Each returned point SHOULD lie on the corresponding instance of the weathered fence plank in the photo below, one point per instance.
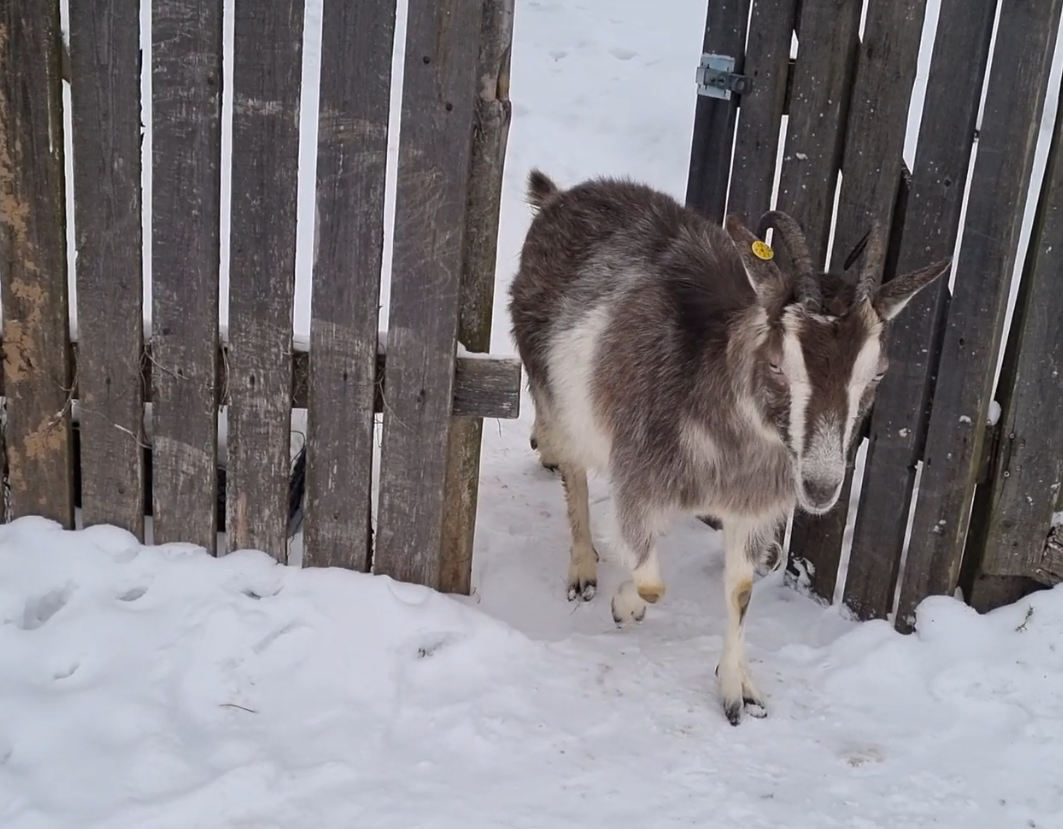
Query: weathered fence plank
(1018, 501)
(105, 96)
(872, 161)
(815, 134)
(352, 153)
(771, 28)
(33, 262)
(186, 188)
(1025, 39)
(267, 71)
(714, 118)
(897, 426)
(491, 117)
(439, 88)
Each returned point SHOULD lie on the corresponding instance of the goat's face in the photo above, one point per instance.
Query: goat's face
(822, 352)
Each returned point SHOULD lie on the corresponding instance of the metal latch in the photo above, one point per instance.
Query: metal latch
(717, 79)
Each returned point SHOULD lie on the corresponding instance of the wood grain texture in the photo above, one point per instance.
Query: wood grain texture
(897, 425)
(352, 152)
(714, 118)
(439, 89)
(872, 162)
(771, 29)
(267, 72)
(483, 387)
(1050, 569)
(186, 196)
(815, 136)
(1019, 499)
(1011, 121)
(486, 166)
(819, 101)
(33, 263)
(105, 94)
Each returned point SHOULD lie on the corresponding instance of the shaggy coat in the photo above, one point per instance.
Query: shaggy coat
(680, 358)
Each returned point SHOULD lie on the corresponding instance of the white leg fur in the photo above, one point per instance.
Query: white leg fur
(736, 685)
(645, 585)
(583, 564)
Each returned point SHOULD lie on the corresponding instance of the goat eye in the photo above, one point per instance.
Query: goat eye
(775, 367)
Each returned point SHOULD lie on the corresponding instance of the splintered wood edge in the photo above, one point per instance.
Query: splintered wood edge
(484, 386)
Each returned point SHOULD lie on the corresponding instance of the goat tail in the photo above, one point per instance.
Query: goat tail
(541, 189)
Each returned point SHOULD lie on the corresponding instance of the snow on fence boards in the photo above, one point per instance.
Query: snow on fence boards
(105, 98)
(1001, 177)
(439, 87)
(186, 199)
(267, 70)
(343, 375)
(714, 118)
(486, 165)
(1013, 511)
(33, 265)
(818, 112)
(897, 424)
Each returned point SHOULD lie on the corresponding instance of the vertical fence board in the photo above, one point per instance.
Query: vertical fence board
(819, 102)
(897, 425)
(714, 118)
(1022, 494)
(872, 162)
(105, 93)
(33, 263)
(186, 198)
(437, 118)
(815, 136)
(771, 29)
(1024, 46)
(491, 131)
(352, 155)
(267, 71)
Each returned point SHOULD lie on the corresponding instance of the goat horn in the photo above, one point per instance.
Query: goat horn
(806, 286)
(874, 259)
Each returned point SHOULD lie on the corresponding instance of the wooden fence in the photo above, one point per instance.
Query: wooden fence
(454, 122)
(981, 516)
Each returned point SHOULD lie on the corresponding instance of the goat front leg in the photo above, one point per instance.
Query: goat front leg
(583, 563)
(743, 547)
(640, 554)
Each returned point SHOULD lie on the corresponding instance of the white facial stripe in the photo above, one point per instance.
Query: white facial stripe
(864, 368)
(793, 365)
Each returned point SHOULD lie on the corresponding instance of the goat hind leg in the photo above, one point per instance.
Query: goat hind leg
(742, 548)
(541, 442)
(645, 585)
(583, 566)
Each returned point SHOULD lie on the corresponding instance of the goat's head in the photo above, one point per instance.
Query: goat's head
(820, 350)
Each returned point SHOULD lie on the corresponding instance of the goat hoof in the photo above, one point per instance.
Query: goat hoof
(733, 711)
(627, 605)
(582, 590)
(755, 708)
(534, 444)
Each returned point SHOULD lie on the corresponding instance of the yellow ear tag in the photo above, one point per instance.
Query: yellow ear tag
(762, 251)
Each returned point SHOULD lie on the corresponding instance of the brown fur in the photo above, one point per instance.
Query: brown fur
(655, 345)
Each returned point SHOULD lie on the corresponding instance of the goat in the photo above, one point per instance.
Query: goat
(677, 356)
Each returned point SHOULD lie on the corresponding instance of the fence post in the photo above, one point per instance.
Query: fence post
(37, 377)
(490, 134)
(430, 202)
(105, 93)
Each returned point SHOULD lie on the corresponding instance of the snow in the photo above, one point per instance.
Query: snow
(160, 687)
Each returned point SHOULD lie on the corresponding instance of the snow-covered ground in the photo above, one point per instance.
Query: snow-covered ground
(159, 687)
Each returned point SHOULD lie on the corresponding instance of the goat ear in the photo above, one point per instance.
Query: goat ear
(757, 256)
(891, 297)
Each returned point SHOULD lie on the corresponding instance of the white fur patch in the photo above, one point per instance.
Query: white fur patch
(571, 364)
(793, 366)
(864, 369)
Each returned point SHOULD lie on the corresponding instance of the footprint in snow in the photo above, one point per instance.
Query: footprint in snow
(621, 53)
(40, 610)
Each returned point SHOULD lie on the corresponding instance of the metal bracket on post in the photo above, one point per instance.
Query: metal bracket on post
(717, 79)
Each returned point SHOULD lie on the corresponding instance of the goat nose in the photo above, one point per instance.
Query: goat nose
(819, 494)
